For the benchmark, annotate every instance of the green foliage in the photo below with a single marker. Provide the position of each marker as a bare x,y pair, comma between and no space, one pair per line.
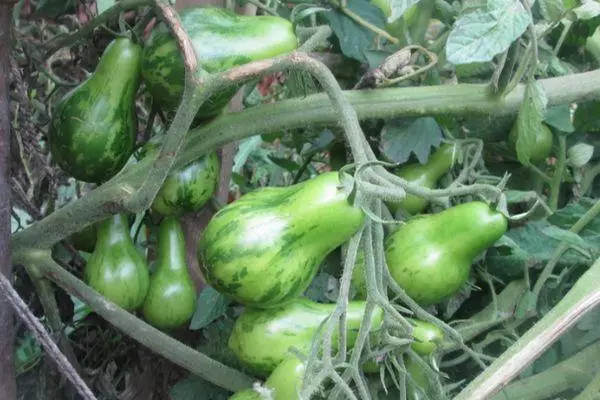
401,137
210,306
482,33
355,39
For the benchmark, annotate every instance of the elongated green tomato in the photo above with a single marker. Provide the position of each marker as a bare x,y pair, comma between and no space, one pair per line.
116,269
171,299
186,189
542,144
93,128
426,175
264,249
430,256
221,40
261,338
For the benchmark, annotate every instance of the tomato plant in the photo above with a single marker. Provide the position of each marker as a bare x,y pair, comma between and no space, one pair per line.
321,199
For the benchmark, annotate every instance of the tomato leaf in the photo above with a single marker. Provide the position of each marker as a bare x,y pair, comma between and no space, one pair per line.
560,118
551,10
401,137
531,246
529,121
399,7
210,306
355,39
485,32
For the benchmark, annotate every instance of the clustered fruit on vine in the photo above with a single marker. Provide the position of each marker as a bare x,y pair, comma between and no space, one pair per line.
265,249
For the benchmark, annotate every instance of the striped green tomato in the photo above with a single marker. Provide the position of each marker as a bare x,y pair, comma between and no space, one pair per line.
261,338
221,40
264,249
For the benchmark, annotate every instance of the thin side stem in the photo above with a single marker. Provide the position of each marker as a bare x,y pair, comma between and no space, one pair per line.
71,39
561,164
44,338
576,228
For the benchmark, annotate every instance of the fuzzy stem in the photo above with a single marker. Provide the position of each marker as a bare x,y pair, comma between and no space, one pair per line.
37,329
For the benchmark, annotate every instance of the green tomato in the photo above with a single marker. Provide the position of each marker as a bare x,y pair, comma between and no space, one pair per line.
430,256
284,383
171,298
542,145
94,126
116,268
222,40
264,249
186,189
261,338
426,175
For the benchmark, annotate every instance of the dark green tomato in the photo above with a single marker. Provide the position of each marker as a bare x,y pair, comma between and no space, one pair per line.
221,40
171,299
426,175
542,145
430,256
93,128
261,337
116,269
264,249
186,189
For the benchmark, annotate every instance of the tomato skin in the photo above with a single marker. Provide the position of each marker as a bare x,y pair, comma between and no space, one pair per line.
222,40
430,256
171,298
426,175
186,189
261,337
116,268
543,143
93,128
284,382
264,249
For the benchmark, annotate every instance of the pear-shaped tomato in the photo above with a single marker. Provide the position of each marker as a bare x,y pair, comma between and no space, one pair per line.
430,256
264,249
94,126
426,175
116,268
171,299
